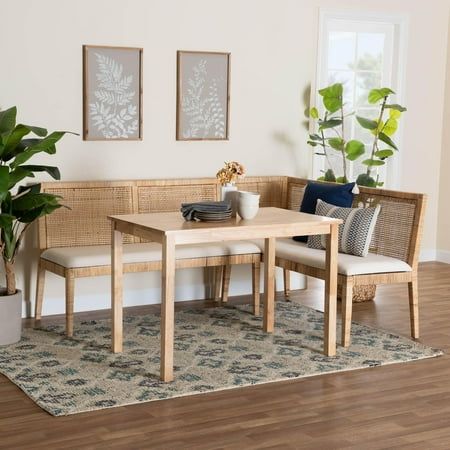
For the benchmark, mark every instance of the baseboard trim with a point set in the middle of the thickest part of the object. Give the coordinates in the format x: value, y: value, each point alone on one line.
x: 443, y: 256
x: 428, y: 254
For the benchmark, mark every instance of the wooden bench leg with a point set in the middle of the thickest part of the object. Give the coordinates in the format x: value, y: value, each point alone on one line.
x: 226, y: 282
x: 40, y: 283
x: 413, y: 292
x: 256, y: 280
x: 346, y: 311
x: 70, y: 292
x: 218, y: 273
x: 287, y: 283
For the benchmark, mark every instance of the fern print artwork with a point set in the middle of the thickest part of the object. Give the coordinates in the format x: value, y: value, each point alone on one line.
x: 203, y: 95
x: 112, y: 79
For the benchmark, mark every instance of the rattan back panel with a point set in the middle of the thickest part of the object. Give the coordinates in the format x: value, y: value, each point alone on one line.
x: 398, y: 227
x: 86, y: 223
x: 170, y: 197
x: 271, y: 189
x: 394, y: 228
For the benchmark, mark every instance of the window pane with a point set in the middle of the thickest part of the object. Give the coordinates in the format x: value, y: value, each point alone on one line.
x: 341, y: 50
x: 370, y: 51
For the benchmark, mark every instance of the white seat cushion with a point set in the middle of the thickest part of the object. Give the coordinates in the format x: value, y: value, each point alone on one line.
x: 347, y: 264
x: 100, y: 255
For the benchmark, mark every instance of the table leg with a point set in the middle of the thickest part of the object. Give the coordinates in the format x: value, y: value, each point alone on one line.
x: 331, y: 291
x: 116, y: 289
x: 269, y: 284
x: 167, y: 308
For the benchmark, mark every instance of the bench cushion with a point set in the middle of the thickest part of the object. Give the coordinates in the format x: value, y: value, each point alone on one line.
x: 100, y: 255
x: 347, y: 264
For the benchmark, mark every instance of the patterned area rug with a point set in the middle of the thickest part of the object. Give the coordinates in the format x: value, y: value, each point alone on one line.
x: 215, y: 348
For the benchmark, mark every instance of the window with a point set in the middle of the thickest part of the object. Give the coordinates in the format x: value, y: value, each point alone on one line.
x: 362, y: 52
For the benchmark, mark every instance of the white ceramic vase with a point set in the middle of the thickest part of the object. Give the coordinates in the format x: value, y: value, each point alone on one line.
x: 229, y: 194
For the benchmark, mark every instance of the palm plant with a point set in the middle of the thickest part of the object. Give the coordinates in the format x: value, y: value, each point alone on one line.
x: 21, y: 205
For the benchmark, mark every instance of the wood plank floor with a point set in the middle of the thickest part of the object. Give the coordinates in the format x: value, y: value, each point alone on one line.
x: 404, y: 406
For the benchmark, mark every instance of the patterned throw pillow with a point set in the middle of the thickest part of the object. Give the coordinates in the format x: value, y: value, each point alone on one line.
x: 336, y: 194
x: 355, y: 233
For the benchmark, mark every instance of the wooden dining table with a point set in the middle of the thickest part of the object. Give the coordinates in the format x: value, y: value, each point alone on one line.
x: 170, y: 230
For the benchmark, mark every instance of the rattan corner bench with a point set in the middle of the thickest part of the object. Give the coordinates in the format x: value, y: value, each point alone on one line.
x: 76, y: 243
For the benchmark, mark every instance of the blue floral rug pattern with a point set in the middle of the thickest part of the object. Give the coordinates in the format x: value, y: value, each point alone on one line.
x: 215, y: 348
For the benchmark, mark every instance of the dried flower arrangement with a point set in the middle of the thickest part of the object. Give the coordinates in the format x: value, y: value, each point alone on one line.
x: 230, y: 172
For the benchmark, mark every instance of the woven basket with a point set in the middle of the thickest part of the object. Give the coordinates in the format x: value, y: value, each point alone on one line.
x: 364, y: 293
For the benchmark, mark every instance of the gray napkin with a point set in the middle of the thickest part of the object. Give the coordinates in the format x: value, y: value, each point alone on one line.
x: 190, y: 209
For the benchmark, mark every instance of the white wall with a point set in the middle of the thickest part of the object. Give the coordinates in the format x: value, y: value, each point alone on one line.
x: 443, y: 242
x: 273, y: 48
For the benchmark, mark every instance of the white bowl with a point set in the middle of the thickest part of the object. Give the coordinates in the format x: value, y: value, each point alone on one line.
x: 247, y: 212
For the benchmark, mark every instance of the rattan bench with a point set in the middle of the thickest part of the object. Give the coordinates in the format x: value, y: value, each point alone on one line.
x: 75, y: 242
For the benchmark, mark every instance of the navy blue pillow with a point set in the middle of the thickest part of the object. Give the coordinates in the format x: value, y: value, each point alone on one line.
x: 334, y: 194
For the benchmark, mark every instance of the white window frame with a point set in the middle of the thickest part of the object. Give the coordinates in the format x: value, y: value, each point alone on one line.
x: 398, y: 74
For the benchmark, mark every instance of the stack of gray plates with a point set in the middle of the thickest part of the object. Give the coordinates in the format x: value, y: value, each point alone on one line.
x: 213, y: 216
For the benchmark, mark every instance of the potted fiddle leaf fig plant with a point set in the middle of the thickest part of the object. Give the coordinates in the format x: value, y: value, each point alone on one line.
x: 331, y: 134
x: 21, y: 204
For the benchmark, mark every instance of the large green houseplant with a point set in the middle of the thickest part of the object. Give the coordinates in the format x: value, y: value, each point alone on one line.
x: 330, y: 135
x: 21, y: 203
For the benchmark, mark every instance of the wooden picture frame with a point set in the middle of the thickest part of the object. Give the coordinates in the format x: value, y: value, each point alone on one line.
x: 203, y: 96
x: 112, y: 93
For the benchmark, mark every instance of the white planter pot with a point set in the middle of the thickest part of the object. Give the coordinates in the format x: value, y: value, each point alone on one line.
x: 229, y: 194
x: 10, y: 318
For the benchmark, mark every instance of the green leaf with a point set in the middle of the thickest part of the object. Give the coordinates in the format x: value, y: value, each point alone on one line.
x: 354, y: 149
x: 336, y: 143
x: 315, y: 137
x: 329, y: 176
x: 38, y: 131
x: 376, y: 95
x: 368, y: 124
x: 8, y: 119
x: 390, y: 127
x: 342, y: 180
x: 394, y: 114
x: 51, y: 170
x: 366, y: 180
x: 314, y: 113
x: 331, y: 123
x: 396, y: 107
x: 387, y: 140
x: 373, y: 162
x: 383, y: 154
x: 6, y: 220
x: 332, y: 97
x: 312, y: 143
x: 4, y: 182
x: 46, y: 145
x: 18, y: 175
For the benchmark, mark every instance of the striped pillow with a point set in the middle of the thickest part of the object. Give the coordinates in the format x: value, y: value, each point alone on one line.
x: 355, y: 233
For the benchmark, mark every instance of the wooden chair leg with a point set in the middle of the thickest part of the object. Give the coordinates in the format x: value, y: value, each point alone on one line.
x: 70, y: 285
x: 256, y: 280
x: 226, y: 282
x: 218, y: 273
x: 40, y: 283
x: 287, y: 283
x: 413, y: 292
x: 346, y: 311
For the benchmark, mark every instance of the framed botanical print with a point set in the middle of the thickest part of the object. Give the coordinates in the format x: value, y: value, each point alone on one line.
x: 112, y: 93
x: 203, y: 95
